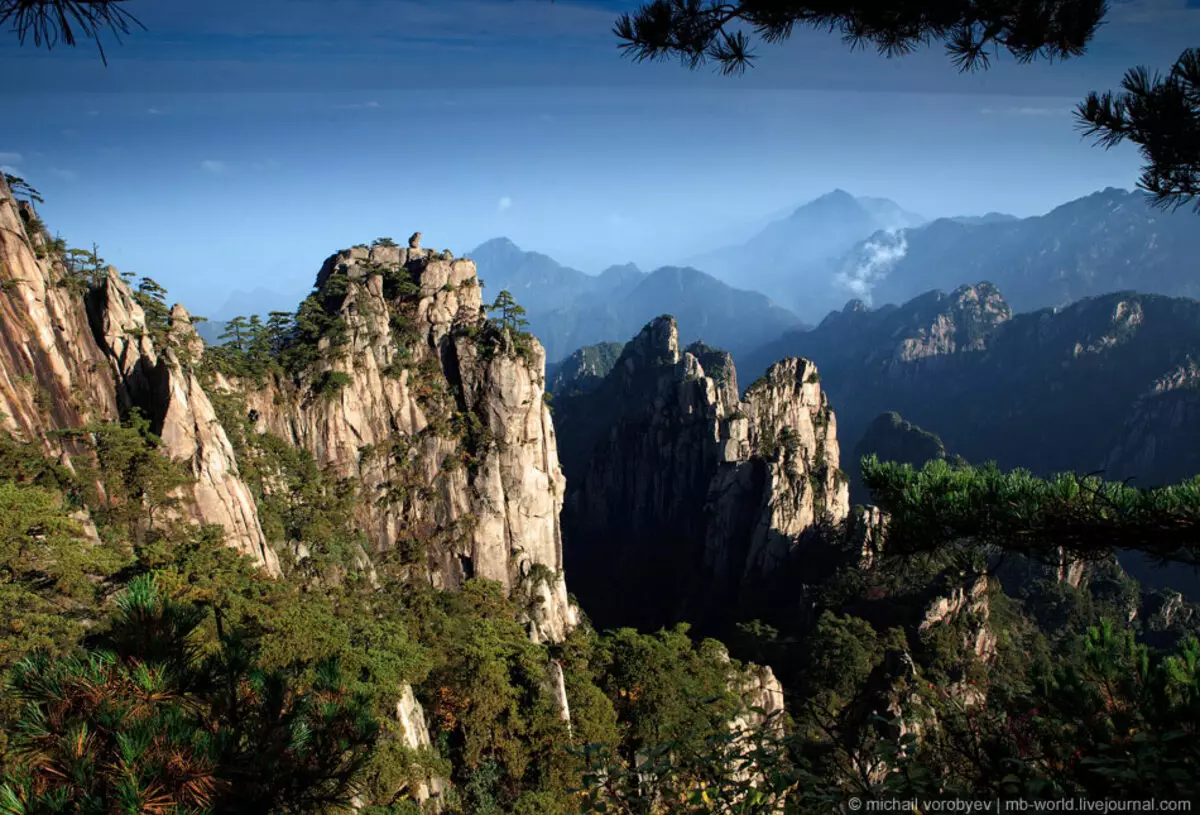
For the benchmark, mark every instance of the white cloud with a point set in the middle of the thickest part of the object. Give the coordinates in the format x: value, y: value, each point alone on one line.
x: 213, y: 166
x: 154, y: 112
x: 66, y: 175
x: 372, y: 105
x: 504, y: 204
x: 10, y: 158
x: 873, y: 261
x: 93, y: 113
x: 269, y: 164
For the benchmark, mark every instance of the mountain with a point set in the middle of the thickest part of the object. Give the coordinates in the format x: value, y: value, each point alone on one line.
x: 538, y: 282
x: 670, y: 472
x: 1101, y: 384
x: 789, y: 259
x: 584, y: 370
x: 568, y: 309
x: 1109, y: 241
x: 327, y: 568
x: 987, y: 218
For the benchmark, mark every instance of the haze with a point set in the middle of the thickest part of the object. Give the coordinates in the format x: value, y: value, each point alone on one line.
x: 232, y: 145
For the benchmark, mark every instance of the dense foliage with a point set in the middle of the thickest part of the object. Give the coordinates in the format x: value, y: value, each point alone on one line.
x: 943, y: 505
x: 151, y: 667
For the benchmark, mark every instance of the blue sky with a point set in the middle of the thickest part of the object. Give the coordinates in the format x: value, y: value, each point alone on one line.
x: 234, y: 145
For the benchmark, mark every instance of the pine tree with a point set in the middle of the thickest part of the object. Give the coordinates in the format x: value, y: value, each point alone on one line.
x: 141, y: 721
x: 236, y: 333
x: 1162, y: 116
x: 280, y: 325
x: 51, y: 22
x: 20, y: 187
x: 511, y: 314
x: 153, y: 299
x: 140, y: 483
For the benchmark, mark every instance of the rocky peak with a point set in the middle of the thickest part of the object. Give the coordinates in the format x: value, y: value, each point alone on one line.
x: 437, y: 413
x: 657, y: 344
x: 183, y: 335
x: 671, y: 471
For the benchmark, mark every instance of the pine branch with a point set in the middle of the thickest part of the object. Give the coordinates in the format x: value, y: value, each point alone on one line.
x: 50, y: 22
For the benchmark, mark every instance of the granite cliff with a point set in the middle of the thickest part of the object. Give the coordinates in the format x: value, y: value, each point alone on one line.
x: 69, y: 360
x: 670, y: 472
x: 438, y: 419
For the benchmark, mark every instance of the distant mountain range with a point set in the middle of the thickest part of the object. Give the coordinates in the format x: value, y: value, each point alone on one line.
x: 1109, y: 241
x: 1103, y: 384
x: 792, y: 258
x: 839, y: 247
x: 568, y: 309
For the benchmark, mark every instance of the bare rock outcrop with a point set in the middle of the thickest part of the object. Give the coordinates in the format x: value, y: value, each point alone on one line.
x: 439, y: 418
x: 411, y: 716
x: 672, y: 473
x: 163, y: 384
x: 66, y: 361
x: 52, y: 375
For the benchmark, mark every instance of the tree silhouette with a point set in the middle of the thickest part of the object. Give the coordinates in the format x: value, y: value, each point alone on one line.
x: 1162, y: 116
x: 702, y: 31
x: 50, y: 22
x: 21, y: 189
x: 152, y: 297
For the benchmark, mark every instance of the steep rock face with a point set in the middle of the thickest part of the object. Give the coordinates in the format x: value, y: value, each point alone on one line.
x: 52, y: 375
x: 672, y: 474
x: 63, y: 365
x: 893, y: 341
x: 448, y: 439
x: 970, y: 602
x: 162, y: 383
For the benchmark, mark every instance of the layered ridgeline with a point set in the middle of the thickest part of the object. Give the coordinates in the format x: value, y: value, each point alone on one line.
x: 568, y: 309
x: 1105, y: 384
x: 670, y: 472
x: 370, y: 485
x: 1109, y: 241
x: 838, y: 246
